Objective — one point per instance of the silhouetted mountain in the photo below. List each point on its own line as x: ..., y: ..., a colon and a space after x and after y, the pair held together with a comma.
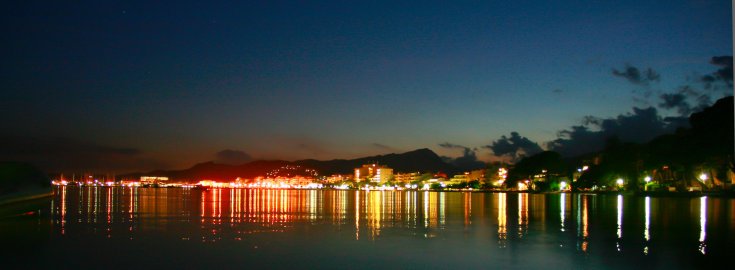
x: 215, y: 171
x: 421, y: 160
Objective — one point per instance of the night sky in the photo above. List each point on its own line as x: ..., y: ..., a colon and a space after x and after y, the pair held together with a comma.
x: 138, y: 86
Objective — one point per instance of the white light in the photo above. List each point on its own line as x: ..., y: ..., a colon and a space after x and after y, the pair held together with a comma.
x: 647, y: 179
x: 563, y: 185
x: 619, y: 181
x: 703, y: 177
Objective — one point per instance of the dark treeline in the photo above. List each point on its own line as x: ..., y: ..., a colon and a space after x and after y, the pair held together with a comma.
x: 679, y: 160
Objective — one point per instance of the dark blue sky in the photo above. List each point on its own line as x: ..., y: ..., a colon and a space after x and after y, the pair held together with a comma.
x: 171, y: 84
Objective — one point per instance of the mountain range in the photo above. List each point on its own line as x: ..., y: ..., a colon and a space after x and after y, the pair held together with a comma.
x: 420, y: 160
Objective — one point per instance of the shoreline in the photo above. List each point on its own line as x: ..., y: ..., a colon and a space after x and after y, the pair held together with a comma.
x: 24, y: 196
x: 690, y: 194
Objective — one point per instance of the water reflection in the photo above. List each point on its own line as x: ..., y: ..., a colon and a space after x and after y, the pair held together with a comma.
x: 647, y: 228
x: 702, y: 224
x: 522, y: 214
x: 357, y: 215
x: 375, y: 212
x: 63, y: 209
x: 619, y: 222
x: 582, y: 222
x: 235, y: 214
x: 562, y: 207
x: 502, y: 217
x: 467, y: 203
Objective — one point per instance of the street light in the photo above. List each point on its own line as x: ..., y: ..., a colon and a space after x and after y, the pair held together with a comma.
x: 647, y: 179
x: 619, y: 181
x: 703, y: 177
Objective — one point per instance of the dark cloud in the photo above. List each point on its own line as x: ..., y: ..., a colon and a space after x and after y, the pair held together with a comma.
x: 637, y: 76
x: 468, y: 161
x: 515, y: 146
x: 642, y: 78
x: 722, y: 76
x: 60, y: 154
x: 451, y: 145
x: 640, y: 126
x: 686, y: 100
x: 233, y: 157
x: 676, y: 101
x: 704, y: 102
x: 383, y: 147
x: 645, y: 124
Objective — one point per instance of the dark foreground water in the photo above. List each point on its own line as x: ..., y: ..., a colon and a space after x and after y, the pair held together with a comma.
x: 134, y: 228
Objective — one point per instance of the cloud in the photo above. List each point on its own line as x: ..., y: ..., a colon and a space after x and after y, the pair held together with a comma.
x: 468, y: 161
x: 644, y: 124
x: 61, y: 154
x: 686, y: 99
x: 637, y: 76
x: 515, y: 146
x: 722, y: 76
x: 676, y: 100
x: 451, y: 145
x: 233, y: 157
x: 383, y: 147
x: 640, y: 126
x: 557, y: 91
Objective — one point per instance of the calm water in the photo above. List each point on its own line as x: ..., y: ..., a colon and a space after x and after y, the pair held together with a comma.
x: 103, y: 227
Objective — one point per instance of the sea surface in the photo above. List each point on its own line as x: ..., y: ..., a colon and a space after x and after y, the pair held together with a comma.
x: 176, y: 228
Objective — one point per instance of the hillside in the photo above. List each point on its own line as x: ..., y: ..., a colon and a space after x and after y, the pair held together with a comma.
x: 421, y: 160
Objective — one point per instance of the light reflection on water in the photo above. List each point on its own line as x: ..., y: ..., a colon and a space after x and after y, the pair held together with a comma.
x: 702, y: 224
x: 567, y: 229
x: 619, y: 221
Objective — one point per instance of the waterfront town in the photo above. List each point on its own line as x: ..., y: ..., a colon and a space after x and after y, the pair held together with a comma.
x: 696, y: 159
x: 382, y: 177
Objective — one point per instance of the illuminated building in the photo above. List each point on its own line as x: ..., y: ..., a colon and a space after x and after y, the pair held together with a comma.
x: 149, y: 180
x: 374, y: 173
x: 337, y: 178
x: 406, y: 177
x: 476, y: 174
x: 460, y: 178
